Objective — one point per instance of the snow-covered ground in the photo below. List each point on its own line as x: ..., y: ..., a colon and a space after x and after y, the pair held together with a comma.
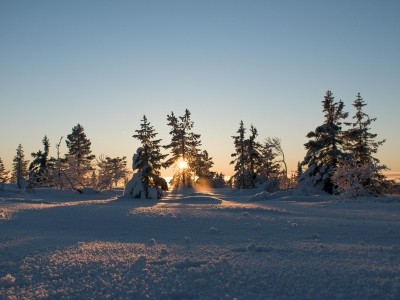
x: 198, y: 245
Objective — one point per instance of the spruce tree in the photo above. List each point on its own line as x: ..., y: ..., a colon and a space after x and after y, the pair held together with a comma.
x: 184, y: 149
x: 242, y: 178
x: 325, y: 147
x: 361, y: 144
x: 148, y: 160
x: 38, y: 166
x: 253, y: 155
x: 3, y: 175
x: 79, y: 157
x: 20, y: 173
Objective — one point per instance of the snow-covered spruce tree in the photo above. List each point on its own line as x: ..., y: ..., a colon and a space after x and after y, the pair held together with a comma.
x: 243, y: 177
x: 361, y: 144
x: 3, y: 175
x: 20, y: 173
x: 146, y: 182
x: 325, y: 147
x: 79, y: 159
x: 184, y: 149
x: 38, y: 167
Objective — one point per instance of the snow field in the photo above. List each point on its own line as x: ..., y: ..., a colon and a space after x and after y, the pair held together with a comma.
x: 199, y: 245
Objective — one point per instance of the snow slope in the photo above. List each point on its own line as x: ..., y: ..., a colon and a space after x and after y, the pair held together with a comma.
x: 198, y: 245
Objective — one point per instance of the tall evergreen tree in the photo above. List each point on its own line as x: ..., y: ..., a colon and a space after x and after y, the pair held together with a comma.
x: 253, y: 154
x: 184, y: 148
x: 79, y: 158
x: 19, y: 173
x: 38, y: 166
x: 243, y: 178
x: 148, y: 161
x: 3, y: 175
x: 325, y: 147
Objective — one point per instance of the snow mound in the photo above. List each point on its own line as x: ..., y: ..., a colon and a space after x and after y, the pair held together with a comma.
x: 290, y: 195
x: 196, y: 199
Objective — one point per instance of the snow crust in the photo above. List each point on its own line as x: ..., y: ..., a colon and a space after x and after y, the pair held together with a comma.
x: 213, y: 244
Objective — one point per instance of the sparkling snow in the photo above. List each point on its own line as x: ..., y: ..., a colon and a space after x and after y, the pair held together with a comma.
x: 198, y: 245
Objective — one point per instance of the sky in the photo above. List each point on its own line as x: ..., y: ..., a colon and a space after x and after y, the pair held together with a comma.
x: 105, y: 64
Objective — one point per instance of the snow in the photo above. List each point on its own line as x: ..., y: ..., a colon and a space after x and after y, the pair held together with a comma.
x: 207, y: 244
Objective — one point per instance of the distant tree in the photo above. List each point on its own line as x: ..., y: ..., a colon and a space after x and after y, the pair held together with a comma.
x: 3, y: 175
x: 218, y: 180
x: 184, y: 148
x: 56, y: 167
x: 275, y: 143
x: 268, y: 167
x: 147, y: 162
x: 38, y: 166
x: 20, y: 173
x: 202, y: 168
x: 111, y: 171
x: 79, y: 158
x: 325, y: 147
x: 202, y: 165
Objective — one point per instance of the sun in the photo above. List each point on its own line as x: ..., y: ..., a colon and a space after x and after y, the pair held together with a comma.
x: 182, y: 164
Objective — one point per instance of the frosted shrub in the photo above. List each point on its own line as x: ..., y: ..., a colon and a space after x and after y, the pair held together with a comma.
x: 353, y: 180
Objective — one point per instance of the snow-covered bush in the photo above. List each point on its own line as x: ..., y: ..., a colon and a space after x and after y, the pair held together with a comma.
x: 271, y: 186
x: 353, y: 180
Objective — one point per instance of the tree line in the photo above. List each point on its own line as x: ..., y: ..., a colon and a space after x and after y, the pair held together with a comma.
x: 339, y: 159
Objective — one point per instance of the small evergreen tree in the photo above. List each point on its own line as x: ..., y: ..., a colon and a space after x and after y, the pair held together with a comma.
x: 38, y: 166
x: 325, y: 148
x: 79, y: 158
x: 147, y: 182
x: 3, y: 175
x: 20, y: 173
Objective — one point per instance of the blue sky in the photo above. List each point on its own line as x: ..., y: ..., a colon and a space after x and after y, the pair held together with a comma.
x: 269, y: 63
